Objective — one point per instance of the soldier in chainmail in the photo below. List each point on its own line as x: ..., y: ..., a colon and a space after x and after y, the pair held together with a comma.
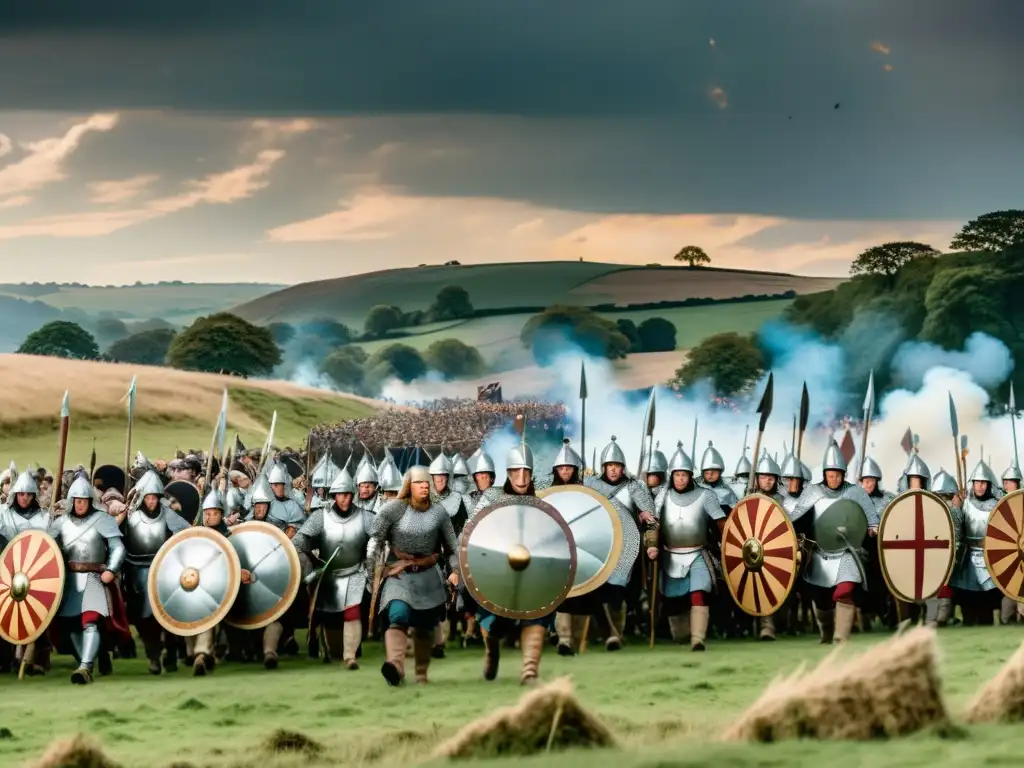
x: 482, y: 472
x: 688, y: 515
x: 741, y: 477
x: 323, y: 474
x: 340, y: 532
x: 879, y: 602
x: 267, y: 508
x: 635, y: 506
x: 23, y: 513
x: 974, y: 586
x: 412, y: 530
x: 767, y: 476
x: 280, y: 481
x: 93, y: 554
x: 149, y: 524
x: 833, y: 576
x: 444, y: 494
x: 711, y: 467
x: 939, y: 610
x: 657, y: 471
x: 367, y: 484
x: 532, y: 633
x: 460, y: 475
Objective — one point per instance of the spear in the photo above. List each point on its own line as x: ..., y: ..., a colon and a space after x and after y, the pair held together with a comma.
x: 309, y: 470
x: 217, y: 440
x: 593, y: 462
x: 92, y: 461
x: 765, y: 409
x: 693, y: 448
x: 65, y: 421
x: 648, y: 437
x: 954, y: 425
x: 963, y: 456
x: 266, y: 445
x: 805, y: 414
x: 1013, y: 425
x: 869, y: 406
x: 793, y: 441
x: 583, y: 413
x: 746, y: 434
x: 128, y: 438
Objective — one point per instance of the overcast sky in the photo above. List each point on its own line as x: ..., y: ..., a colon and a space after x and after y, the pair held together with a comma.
x: 283, y: 141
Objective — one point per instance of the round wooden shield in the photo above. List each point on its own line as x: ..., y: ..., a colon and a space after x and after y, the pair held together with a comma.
x: 759, y: 555
x: 916, y: 545
x: 1003, y: 545
x: 193, y: 581
x: 269, y: 556
x: 31, y: 586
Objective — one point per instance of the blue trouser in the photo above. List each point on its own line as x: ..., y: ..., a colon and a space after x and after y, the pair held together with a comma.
x: 400, y: 615
x: 499, y: 627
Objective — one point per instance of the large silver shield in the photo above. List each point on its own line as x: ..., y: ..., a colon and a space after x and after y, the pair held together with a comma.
x: 193, y: 581
x: 268, y: 555
x: 518, y: 558
x: 596, y: 529
x: 840, y: 526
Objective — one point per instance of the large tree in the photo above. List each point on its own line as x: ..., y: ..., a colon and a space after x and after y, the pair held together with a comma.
x: 888, y: 259
x: 995, y: 231
x: 111, y: 329
x: 382, y: 319
x: 225, y: 343
x: 146, y: 348
x: 728, y: 361
x: 693, y: 255
x: 454, y: 359
x: 398, y: 360
x: 61, y: 339
x: 345, y: 367
x: 560, y: 328
x: 628, y: 329
x: 452, y: 303
x: 657, y: 335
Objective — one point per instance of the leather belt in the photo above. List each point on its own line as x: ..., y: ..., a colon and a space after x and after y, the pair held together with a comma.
x: 87, y: 567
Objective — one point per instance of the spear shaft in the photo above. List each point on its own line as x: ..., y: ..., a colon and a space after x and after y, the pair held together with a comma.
x: 58, y: 480
x: 583, y: 414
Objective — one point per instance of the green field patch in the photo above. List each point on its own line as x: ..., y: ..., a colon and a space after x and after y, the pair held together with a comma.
x: 174, y: 303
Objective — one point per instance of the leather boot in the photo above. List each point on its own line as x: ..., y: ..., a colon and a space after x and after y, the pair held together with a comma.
x: 767, y: 628
x: 616, y: 620
x: 334, y: 644
x: 844, y: 615
x: 396, y: 641
x: 423, y: 648
x: 492, y: 654
x: 564, y: 627
x: 440, y: 638
x: 700, y: 615
x: 945, y: 611
x: 931, y: 612
x: 271, y: 637
x: 531, y: 641
x: 826, y: 624
x: 679, y: 627
x: 352, y: 635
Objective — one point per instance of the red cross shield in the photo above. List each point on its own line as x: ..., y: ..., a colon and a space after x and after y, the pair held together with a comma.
x: 916, y: 545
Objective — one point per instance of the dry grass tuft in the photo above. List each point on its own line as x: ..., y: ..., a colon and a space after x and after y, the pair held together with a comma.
x: 890, y: 690
x: 76, y: 752
x: 1001, y: 699
x: 292, y: 742
x: 547, y: 718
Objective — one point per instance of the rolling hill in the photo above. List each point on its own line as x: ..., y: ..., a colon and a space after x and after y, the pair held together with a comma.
x: 174, y: 409
x: 518, y: 284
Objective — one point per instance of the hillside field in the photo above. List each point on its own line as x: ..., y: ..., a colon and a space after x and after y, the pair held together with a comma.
x: 664, y: 706
x: 174, y: 410
x: 522, y: 284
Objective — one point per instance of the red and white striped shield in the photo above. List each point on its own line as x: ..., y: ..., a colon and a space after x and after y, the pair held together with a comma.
x: 916, y: 547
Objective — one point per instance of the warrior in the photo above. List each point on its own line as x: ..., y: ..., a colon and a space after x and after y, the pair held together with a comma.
x: 879, y: 602
x: 711, y: 467
x: 267, y: 507
x: 460, y: 474
x: 340, y: 532
x: 973, y: 584
x: 871, y: 482
x: 657, y: 469
x: 635, y: 506
x: 741, y: 477
x: 367, y: 482
x: 566, y: 469
x: 1012, y: 478
x: 482, y: 473
x: 323, y: 475
x: 413, y: 593
x: 939, y: 609
x: 23, y: 513
x: 685, y: 512
x: 147, y: 526
x: 286, y: 507
x: 793, y: 479
x: 766, y: 482
x: 833, y: 575
x: 532, y: 632
x: 454, y: 503
x: 917, y: 477
x: 93, y: 553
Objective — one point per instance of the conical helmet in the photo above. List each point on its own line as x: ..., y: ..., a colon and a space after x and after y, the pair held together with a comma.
x: 141, y: 462
x: 261, y: 492
x: 519, y: 457
x: 278, y: 475
x: 833, y: 458
x: 149, y: 484
x: 441, y: 465
x: 917, y: 468
x: 792, y: 467
x: 480, y: 462
x: 711, y: 459
x: 680, y: 462
x: 871, y: 469
x: 742, y: 466
x: 944, y: 483
x: 343, y: 483
x: 213, y: 500
x: 459, y: 467
x: 389, y: 476
x: 323, y: 472
x: 612, y: 454
x: 26, y: 483
x: 766, y: 465
x: 982, y: 473
x: 567, y: 457
x: 81, y: 488
x: 1012, y: 472
x: 365, y: 473
x: 658, y: 465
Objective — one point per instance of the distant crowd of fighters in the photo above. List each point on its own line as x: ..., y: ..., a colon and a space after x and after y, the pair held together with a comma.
x: 672, y: 517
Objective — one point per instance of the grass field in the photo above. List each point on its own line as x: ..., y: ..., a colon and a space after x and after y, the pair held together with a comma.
x: 524, y: 284
x: 174, y: 409
x: 665, y: 707
x: 174, y: 303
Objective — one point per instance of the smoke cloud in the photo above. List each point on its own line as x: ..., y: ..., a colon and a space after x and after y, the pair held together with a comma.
x: 987, y: 360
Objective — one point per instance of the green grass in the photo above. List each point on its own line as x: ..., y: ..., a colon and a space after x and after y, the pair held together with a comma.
x: 159, y: 436
x: 665, y: 706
